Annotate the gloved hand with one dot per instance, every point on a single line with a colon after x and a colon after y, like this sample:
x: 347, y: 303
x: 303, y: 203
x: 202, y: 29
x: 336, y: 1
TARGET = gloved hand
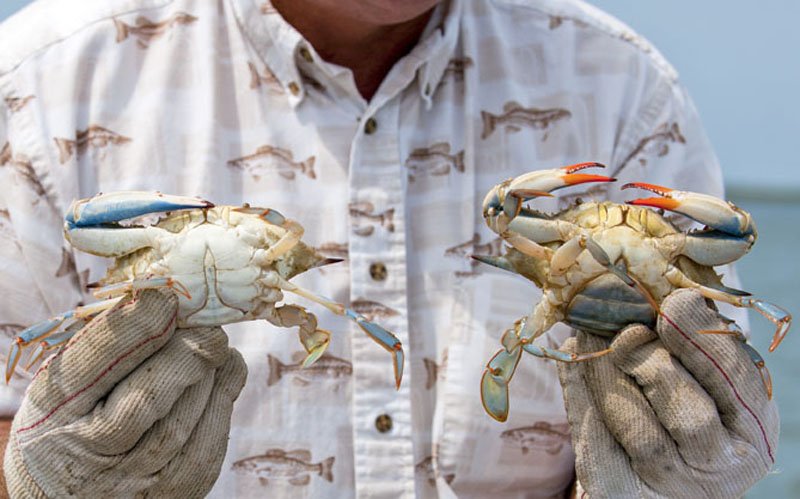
x: 663, y: 417
x: 130, y: 407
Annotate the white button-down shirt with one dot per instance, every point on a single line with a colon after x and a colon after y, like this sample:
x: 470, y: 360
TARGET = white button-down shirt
x: 225, y: 100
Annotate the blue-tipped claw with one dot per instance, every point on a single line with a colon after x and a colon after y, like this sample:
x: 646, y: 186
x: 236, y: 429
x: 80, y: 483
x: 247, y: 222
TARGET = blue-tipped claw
x: 123, y: 205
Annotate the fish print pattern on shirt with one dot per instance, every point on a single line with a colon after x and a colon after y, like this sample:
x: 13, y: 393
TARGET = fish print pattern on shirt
x: 16, y: 104
x: 294, y: 467
x: 656, y: 145
x: 94, y: 137
x: 542, y: 435
x: 146, y: 31
x: 271, y: 159
x: 434, y: 160
x: 364, y: 219
x: 515, y: 117
x: 326, y: 368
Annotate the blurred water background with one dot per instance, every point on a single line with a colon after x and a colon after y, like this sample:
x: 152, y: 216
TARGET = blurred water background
x: 740, y: 63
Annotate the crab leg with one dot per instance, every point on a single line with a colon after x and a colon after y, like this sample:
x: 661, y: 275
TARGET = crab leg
x: 734, y: 330
x: 54, y: 325
x: 294, y: 231
x: 778, y: 316
x: 122, y: 288
x: 314, y: 340
x: 501, y: 367
x: 384, y: 338
x: 732, y: 231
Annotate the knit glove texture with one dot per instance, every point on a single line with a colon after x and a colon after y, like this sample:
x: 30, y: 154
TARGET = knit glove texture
x: 130, y: 407
x: 669, y: 413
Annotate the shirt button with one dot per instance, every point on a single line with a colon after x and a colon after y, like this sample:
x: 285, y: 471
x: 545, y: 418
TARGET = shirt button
x: 383, y: 423
x: 306, y: 54
x: 294, y: 88
x: 370, y: 126
x: 378, y: 271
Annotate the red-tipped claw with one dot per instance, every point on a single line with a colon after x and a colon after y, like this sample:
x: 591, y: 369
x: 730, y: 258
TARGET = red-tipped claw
x: 708, y: 210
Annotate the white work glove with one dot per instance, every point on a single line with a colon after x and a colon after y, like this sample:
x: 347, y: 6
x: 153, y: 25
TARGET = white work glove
x: 662, y: 417
x: 129, y: 407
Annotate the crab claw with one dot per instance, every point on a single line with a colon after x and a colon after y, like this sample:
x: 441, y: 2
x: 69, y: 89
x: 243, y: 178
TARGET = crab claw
x: 117, y: 206
x: 708, y: 210
x: 507, y: 198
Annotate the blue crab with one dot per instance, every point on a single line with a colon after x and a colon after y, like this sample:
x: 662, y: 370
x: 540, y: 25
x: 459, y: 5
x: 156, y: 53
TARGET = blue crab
x: 226, y: 263
x: 603, y: 265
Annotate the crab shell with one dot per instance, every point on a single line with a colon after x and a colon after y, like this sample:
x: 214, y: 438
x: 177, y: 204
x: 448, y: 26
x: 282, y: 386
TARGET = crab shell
x: 213, y: 252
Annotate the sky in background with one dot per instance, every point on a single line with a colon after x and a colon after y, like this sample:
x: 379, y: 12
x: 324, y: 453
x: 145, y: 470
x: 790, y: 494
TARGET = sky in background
x: 741, y: 64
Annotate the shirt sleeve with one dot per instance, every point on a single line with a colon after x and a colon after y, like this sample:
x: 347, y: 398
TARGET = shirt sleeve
x: 37, y: 272
x: 665, y: 144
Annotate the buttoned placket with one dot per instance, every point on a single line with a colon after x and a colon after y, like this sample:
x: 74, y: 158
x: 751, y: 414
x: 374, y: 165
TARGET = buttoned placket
x: 383, y: 445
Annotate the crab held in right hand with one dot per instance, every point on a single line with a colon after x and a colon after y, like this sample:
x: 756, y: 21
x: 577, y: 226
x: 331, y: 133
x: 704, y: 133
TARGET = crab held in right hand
x: 603, y: 266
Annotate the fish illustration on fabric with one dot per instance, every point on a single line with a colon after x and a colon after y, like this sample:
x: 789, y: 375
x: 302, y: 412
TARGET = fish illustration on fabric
x: 271, y: 159
x: 15, y: 104
x: 655, y: 145
x: 433, y: 371
x: 145, y: 30
x: 24, y: 169
x: 515, y: 117
x: 335, y: 250
x: 265, y: 77
x: 474, y: 246
x: 454, y: 71
x: 294, y: 466
x: 6, y: 231
x: 364, y: 218
x: 426, y: 469
x: 327, y: 367
x: 95, y: 136
x: 541, y: 435
x: 6, y: 154
x: 373, y: 310
x: 435, y: 160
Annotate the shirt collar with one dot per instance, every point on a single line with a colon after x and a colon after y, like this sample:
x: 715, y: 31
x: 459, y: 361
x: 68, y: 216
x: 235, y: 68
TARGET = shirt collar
x: 278, y: 44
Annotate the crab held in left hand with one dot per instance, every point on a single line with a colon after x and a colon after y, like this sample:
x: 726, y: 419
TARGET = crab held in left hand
x: 226, y: 263
x: 602, y: 266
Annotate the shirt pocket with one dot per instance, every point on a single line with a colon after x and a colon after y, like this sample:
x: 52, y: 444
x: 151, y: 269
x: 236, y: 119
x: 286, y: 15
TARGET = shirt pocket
x: 529, y: 455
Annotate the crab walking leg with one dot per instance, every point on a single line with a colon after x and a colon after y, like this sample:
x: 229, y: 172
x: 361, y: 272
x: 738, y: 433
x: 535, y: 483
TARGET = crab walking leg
x: 778, y: 316
x: 122, y: 288
x: 294, y: 231
x: 52, y: 342
x: 501, y: 368
x: 772, y: 312
x: 314, y: 340
x: 734, y: 330
x: 51, y: 326
x: 384, y: 338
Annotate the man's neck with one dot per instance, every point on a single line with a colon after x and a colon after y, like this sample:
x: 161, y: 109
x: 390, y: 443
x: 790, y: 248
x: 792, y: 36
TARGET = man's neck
x: 369, y: 50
